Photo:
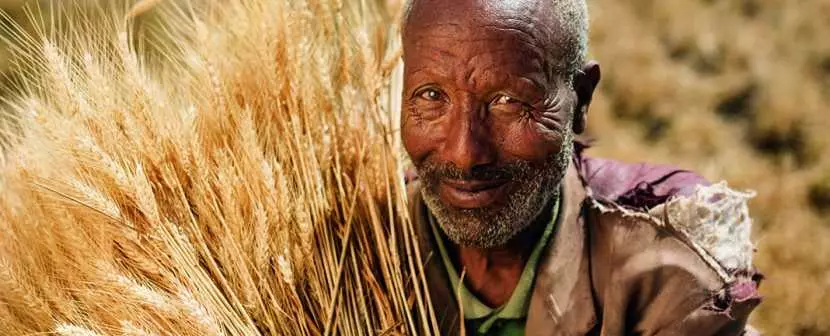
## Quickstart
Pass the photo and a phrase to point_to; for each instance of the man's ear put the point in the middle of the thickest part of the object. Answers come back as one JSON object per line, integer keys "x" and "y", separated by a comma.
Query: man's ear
{"x": 585, "y": 81}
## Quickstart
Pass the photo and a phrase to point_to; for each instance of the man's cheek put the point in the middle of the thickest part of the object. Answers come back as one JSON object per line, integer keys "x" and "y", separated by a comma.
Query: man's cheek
{"x": 419, "y": 139}
{"x": 532, "y": 141}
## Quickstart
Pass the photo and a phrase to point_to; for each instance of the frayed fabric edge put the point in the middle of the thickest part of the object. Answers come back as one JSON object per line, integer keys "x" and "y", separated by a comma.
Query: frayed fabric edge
{"x": 714, "y": 221}
{"x": 699, "y": 232}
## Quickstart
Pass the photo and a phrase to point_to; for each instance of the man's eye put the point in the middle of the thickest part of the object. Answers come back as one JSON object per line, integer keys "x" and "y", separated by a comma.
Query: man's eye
{"x": 508, "y": 106}
{"x": 502, "y": 99}
{"x": 431, "y": 95}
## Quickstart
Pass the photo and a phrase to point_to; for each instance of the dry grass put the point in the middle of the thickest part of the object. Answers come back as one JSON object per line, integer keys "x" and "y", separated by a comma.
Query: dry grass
{"x": 244, "y": 182}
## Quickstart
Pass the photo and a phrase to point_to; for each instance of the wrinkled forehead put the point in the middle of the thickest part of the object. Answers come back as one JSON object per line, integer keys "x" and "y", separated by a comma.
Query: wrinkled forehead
{"x": 499, "y": 24}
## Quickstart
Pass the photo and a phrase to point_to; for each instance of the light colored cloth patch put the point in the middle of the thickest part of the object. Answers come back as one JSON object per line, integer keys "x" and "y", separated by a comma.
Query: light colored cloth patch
{"x": 716, "y": 219}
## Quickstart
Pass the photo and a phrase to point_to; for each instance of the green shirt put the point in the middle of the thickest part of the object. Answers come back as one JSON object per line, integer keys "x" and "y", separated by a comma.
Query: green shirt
{"x": 509, "y": 319}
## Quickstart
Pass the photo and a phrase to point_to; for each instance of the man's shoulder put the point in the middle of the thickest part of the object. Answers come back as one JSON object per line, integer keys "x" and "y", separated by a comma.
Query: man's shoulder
{"x": 627, "y": 243}
{"x": 689, "y": 255}
{"x": 712, "y": 223}
{"x": 635, "y": 185}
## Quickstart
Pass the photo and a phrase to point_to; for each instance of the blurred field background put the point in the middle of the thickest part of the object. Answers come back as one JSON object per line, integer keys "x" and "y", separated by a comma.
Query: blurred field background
{"x": 736, "y": 90}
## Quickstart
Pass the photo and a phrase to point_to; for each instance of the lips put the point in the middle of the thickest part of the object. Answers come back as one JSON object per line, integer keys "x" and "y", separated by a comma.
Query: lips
{"x": 472, "y": 194}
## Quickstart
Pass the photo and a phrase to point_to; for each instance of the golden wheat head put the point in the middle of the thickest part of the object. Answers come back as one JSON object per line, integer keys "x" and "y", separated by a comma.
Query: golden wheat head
{"x": 240, "y": 177}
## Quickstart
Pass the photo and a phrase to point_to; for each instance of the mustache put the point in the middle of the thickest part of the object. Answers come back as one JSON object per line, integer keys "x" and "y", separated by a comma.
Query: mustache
{"x": 435, "y": 171}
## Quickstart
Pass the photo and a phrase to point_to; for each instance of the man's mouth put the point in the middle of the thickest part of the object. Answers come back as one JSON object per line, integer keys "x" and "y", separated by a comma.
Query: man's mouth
{"x": 471, "y": 194}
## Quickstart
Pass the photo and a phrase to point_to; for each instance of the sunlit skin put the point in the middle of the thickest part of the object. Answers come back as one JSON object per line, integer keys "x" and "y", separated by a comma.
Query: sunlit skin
{"x": 481, "y": 89}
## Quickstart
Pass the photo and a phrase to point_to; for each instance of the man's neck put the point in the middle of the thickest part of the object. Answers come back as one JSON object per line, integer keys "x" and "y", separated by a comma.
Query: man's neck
{"x": 493, "y": 274}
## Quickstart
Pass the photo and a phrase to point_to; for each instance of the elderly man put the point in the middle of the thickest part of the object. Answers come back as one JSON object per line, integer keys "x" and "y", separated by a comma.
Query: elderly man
{"x": 523, "y": 234}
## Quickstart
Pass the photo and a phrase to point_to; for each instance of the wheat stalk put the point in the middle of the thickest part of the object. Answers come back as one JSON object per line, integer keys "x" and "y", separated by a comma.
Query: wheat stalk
{"x": 245, "y": 181}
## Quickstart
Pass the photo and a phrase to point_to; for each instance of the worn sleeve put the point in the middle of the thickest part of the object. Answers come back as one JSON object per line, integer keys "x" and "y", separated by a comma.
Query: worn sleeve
{"x": 721, "y": 316}
{"x": 653, "y": 278}
{"x": 714, "y": 221}
{"x": 682, "y": 307}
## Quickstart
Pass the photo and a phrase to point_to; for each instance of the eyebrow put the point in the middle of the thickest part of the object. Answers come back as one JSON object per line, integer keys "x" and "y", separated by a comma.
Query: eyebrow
{"x": 442, "y": 65}
{"x": 524, "y": 86}
{"x": 519, "y": 84}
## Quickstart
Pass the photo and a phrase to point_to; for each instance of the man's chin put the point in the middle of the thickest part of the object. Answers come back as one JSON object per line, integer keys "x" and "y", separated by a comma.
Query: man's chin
{"x": 483, "y": 228}
{"x": 491, "y": 226}
{"x": 476, "y": 236}
{"x": 498, "y": 218}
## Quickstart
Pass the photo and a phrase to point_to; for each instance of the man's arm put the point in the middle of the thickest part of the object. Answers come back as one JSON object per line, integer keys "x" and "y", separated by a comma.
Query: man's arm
{"x": 654, "y": 275}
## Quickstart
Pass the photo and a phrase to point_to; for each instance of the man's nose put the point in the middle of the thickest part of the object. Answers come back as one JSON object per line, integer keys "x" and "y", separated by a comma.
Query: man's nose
{"x": 468, "y": 143}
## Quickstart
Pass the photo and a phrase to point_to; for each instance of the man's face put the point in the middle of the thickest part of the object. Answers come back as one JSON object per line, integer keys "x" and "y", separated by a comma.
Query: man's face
{"x": 486, "y": 123}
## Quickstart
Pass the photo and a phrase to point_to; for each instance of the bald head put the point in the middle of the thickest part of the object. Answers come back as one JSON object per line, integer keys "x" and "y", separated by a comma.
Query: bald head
{"x": 560, "y": 27}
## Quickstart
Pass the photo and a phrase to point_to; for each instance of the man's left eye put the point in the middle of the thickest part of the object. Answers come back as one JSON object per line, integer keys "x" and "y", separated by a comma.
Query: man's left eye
{"x": 503, "y": 99}
{"x": 509, "y": 106}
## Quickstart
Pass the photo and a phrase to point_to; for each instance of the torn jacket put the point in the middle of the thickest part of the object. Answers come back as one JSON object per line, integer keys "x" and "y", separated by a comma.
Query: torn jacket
{"x": 617, "y": 265}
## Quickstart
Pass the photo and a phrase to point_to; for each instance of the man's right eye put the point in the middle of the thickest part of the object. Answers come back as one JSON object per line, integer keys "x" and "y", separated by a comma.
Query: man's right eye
{"x": 431, "y": 95}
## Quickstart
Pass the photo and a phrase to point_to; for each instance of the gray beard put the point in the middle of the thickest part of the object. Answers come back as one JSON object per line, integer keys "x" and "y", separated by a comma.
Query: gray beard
{"x": 495, "y": 226}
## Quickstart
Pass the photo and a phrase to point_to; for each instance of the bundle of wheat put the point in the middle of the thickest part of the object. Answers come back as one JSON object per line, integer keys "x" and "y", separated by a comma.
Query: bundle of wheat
{"x": 244, "y": 183}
